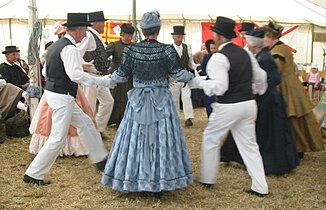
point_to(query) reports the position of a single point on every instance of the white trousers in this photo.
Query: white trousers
(185, 92)
(239, 118)
(65, 111)
(106, 101)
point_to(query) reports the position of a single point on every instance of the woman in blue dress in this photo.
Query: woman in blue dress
(149, 151)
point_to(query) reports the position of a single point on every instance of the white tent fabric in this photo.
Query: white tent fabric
(310, 15)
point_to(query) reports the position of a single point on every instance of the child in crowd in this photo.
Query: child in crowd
(313, 79)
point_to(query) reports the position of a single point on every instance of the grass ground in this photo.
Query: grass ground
(76, 183)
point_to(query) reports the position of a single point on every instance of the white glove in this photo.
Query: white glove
(2, 82)
(26, 97)
(196, 73)
(89, 66)
(106, 81)
(195, 83)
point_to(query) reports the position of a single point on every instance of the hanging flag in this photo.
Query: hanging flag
(109, 35)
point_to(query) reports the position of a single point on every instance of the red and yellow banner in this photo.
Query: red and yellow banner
(108, 35)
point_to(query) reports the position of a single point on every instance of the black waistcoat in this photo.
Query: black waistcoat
(57, 79)
(240, 75)
(99, 56)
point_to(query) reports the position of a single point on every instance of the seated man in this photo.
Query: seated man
(10, 99)
(10, 71)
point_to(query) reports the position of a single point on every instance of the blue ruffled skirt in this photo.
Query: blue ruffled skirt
(149, 152)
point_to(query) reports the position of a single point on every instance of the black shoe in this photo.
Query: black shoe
(188, 123)
(100, 165)
(2, 140)
(38, 182)
(252, 192)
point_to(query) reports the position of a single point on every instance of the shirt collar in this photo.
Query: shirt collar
(9, 63)
(176, 46)
(95, 32)
(70, 38)
(222, 45)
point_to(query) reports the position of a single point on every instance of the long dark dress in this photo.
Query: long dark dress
(119, 93)
(274, 135)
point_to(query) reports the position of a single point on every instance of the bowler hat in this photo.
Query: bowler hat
(225, 27)
(246, 26)
(76, 19)
(178, 30)
(10, 49)
(96, 16)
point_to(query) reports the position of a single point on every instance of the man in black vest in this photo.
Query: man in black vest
(234, 78)
(100, 58)
(186, 62)
(63, 71)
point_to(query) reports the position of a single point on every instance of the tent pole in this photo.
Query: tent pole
(312, 43)
(10, 32)
(134, 18)
(35, 68)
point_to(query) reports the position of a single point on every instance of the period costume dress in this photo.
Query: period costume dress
(273, 131)
(298, 106)
(119, 93)
(41, 124)
(149, 152)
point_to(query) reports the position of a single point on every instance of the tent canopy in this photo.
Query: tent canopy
(284, 11)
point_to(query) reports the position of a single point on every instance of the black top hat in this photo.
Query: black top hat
(225, 27)
(10, 49)
(258, 32)
(96, 16)
(178, 30)
(126, 28)
(76, 19)
(246, 26)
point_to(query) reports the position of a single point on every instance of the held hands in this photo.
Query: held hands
(195, 83)
(89, 66)
(107, 81)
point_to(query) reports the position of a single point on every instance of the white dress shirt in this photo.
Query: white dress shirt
(73, 67)
(179, 49)
(217, 71)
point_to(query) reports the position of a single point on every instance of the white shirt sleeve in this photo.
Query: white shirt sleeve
(87, 44)
(191, 62)
(72, 63)
(218, 71)
(259, 76)
(44, 70)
